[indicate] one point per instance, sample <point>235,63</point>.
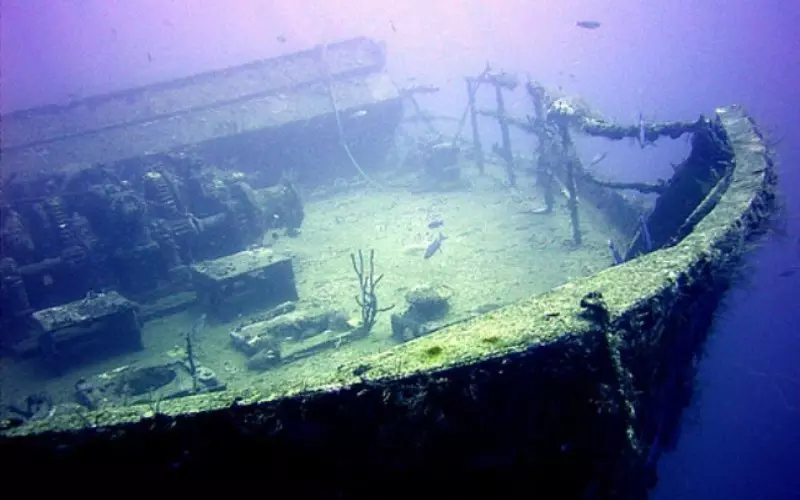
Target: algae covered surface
<point>548,278</point>
<point>497,255</point>
<point>495,252</point>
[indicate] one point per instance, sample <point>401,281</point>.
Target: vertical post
<point>572,203</point>
<point>545,178</point>
<point>544,145</point>
<point>473,118</point>
<point>506,136</point>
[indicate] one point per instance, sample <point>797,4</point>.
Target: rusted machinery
<point>127,191</point>
<point>257,277</point>
<point>98,324</point>
<point>66,234</point>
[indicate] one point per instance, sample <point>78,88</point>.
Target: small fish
<point>394,28</point>
<point>280,39</point>
<point>434,224</point>
<point>788,272</point>
<point>359,113</point>
<point>589,25</point>
<point>149,57</point>
<point>434,246</point>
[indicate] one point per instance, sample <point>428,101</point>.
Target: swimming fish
<point>589,25</point>
<point>435,224</point>
<point>434,246</point>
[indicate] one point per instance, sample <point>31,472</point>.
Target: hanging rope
<point>328,81</point>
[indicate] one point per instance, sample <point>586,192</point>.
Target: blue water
<point>741,437</point>
<point>670,60</point>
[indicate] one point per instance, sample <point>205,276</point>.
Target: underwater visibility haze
<point>208,205</point>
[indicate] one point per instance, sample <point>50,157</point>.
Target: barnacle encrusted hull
<point>575,391</point>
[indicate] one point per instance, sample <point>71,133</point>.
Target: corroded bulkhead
<point>263,113</point>
<point>571,394</point>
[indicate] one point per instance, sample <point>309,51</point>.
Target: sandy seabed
<point>496,251</point>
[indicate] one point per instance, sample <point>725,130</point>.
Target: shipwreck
<point>124,208</point>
